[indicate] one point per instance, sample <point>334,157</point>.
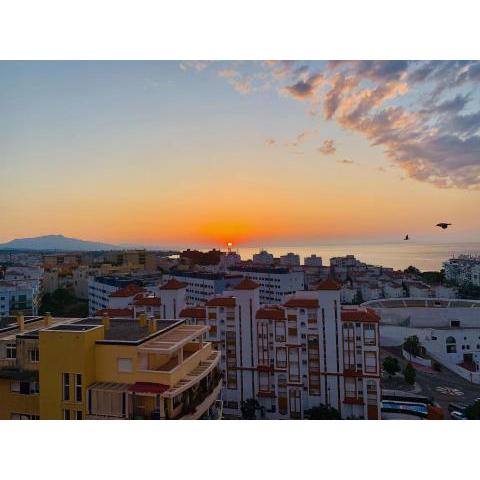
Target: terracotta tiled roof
<point>150,301</point>
<point>221,302</point>
<point>328,284</point>
<point>194,312</point>
<point>272,313</point>
<point>173,284</point>
<point>301,303</point>
<point>246,284</point>
<point>114,312</point>
<point>360,315</point>
<point>128,291</point>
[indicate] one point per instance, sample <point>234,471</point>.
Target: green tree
<point>412,270</point>
<point>472,412</point>
<point>322,412</point>
<point>249,409</point>
<point>409,374</point>
<point>412,345</point>
<point>358,298</point>
<point>391,366</point>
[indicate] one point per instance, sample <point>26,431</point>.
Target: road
<point>443,387</point>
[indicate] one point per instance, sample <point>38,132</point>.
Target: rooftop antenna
<point>229,247</point>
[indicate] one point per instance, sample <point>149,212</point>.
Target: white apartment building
<point>276,283</point>
<point>100,290</point>
<point>293,356</point>
<point>393,290</point>
<point>348,294</point>
<point>290,260</point>
<point>201,286</point>
<point>18,296</point>
<point>263,258</point>
<point>459,270</point>
<point>313,261</point>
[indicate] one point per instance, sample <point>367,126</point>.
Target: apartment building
<point>62,259</point>
<point>102,287</point>
<point>290,260</point>
<point>459,270</point>
<point>263,258</point>
<point>313,261</point>
<point>276,283</point>
<point>294,356</point>
<point>134,258</point>
<point>106,368</point>
<point>19,296</point>
<point>201,286</point>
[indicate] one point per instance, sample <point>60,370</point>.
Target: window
<point>15,387</point>
<point>11,351</point>
<point>282,395</point>
<point>369,334</point>
<point>34,387</point>
<point>79,415</point>
<point>281,354</point>
<point>34,356</point>
<point>78,387</point>
<point>370,362</point>
<point>280,332</point>
<point>66,387</point>
<point>124,365</point>
<point>451,345</point>
<point>66,414</point>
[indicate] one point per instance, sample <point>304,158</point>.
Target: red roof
<point>151,301</point>
<point>128,291</point>
<point>246,284</point>
<point>328,284</point>
<point>302,303</point>
<point>114,312</point>
<point>360,315</point>
<point>148,387</point>
<point>221,302</point>
<point>194,312</point>
<point>272,313</point>
<point>173,284</point>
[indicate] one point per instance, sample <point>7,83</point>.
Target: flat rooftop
<point>126,330</point>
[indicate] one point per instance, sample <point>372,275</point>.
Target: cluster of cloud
<point>328,147</point>
<point>424,114</point>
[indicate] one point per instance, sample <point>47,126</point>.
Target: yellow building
<point>101,368</point>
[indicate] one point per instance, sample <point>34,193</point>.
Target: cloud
<point>424,115</point>
<point>328,147</point>
<point>345,161</point>
<point>270,141</point>
<point>299,139</point>
<point>229,73</point>
<point>198,65</point>
<point>306,88</point>
<point>243,86</point>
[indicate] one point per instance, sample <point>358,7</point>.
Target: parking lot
<point>442,387</point>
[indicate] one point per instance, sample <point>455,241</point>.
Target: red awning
<point>148,387</point>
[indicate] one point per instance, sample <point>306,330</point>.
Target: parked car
<point>457,407</point>
<point>457,415</point>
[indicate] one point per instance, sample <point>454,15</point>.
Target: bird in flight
<point>443,225</point>
<point>406,237</point>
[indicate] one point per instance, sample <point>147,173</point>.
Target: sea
<point>398,255</point>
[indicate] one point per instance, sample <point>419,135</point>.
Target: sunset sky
<point>278,153</point>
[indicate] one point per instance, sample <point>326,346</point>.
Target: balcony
<point>204,403</point>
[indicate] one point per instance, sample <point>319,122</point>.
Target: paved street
<point>443,387</point>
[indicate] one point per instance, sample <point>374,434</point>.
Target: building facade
<point>276,283</point>
<point>102,368</point>
<point>294,356</point>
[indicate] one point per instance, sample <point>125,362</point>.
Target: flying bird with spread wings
<point>443,225</point>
